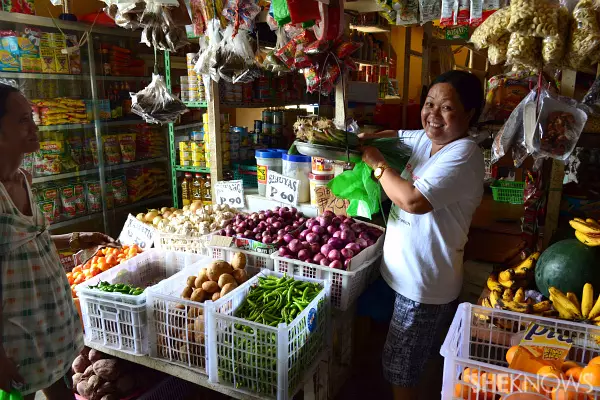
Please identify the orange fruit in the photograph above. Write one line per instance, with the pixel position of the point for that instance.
(466, 375)
(504, 383)
(567, 365)
(574, 373)
(550, 371)
(595, 360)
(510, 354)
(112, 259)
(530, 386)
(77, 269)
(79, 280)
(562, 393)
(590, 375)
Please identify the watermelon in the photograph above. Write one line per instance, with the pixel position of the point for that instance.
(568, 265)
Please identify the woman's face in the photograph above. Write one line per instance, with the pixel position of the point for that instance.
(443, 115)
(18, 132)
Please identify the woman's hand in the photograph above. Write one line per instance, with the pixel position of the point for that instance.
(372, 156)
(91, 239)
(8, 373)
(378, 135)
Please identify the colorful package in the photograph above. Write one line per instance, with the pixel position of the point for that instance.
(74, 57)
(48, 210)
(128, 147)
(463, 14)
(62, 63)
(29, 50)
(80, 206)
(28, 162)
(67, 198)
(9, 52)
(19, 6)
(112, 151)
(77, 150)
(93, 193)
(93, 146)
(118, 188)
(46, 195)
(48, 158)
(541, 346)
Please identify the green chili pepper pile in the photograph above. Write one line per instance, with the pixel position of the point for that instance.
(118, 288)
(277, 300)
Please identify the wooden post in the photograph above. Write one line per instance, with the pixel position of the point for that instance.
(405, 83)
(557, 170)
(214, 123)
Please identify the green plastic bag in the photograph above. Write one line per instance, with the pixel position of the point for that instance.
(14, 395)
(281, 13)
(360, 188)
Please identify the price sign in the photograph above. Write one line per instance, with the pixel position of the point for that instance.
(137, 232)
(281, 188)
(230, 193)
(326, 201)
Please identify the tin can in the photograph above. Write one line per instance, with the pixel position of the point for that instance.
(197, 156)
(184, 79)
(277, 117)
(258, 125)
(199, 164)
(197, 146)
(267, 129)
(185, 155)
(186, 163)
(185, 96)
(197, 136)
(267, 117)
(184, 146)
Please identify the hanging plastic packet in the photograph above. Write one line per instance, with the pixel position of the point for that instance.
(489, 7)
(407, 12)
(387, 12)
(447, 12)
(303, 11)
(207, 61)
(125, 14)
(497, 51)
(476, 13)
(198, 22)
(559, 126)
(160, 31)
(241, 13)
(287, 53)
(430, 10)
(491, 30)
(584, 40)
(281, 12)
(155, 104)
(461, 12)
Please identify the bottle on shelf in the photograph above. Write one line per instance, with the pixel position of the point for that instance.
(207, 190)
(186, 189)
(197, 188)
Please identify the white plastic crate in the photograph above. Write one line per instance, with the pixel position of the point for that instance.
(479, 338)
(173, 331)
(256, 358)
(182, 243)
(118, 321)
(346, 286)
(253, 258)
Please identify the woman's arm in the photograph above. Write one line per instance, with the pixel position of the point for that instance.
(62, 242)
(399, 190)
(84, 240)
(379, 135)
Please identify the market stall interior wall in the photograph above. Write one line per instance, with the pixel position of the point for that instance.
(79, 7)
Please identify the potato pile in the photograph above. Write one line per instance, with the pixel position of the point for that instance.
(98, 377)
(217, 280)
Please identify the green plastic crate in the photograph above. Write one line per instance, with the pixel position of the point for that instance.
(247, 173)
(508, 192)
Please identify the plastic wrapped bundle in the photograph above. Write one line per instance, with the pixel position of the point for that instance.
(155, 104)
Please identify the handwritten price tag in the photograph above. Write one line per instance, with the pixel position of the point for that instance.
(230, 193)
(137, 232)
(326, 201)
(281, 188)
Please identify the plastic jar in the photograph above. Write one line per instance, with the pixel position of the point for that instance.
(298, 167)
(322, 166)
(265, 160)
(317, 181)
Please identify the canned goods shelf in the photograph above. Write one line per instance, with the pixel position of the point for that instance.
(180, 168)
(269, 104)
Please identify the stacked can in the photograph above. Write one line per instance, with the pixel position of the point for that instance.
(193, 82)
(206, 140)
(197, 150)
(185, 154)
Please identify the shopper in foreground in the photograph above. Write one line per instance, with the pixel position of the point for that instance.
(40, 330)
(433, 203)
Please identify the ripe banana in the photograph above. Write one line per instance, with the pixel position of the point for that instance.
(587, 300)
(486, 303)
(507, 284)
(506, 275)
(508, 295)
(527, 264)
(515, 306)
(587, 240)
(595, 311)
(571, 296)
(541, 307)
(584, 227)
(593, 223)
(495, 297)
(520, 296)
(492, 282)
(563, 305)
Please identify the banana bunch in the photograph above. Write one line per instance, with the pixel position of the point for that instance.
(515, 277)
(569, 307)
(586, 231)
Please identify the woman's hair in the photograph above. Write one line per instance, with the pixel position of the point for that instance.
(467, 86)
(5, 91)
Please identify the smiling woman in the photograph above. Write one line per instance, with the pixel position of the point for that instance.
(434, 200)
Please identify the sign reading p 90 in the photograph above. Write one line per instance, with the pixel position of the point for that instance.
(230, 193)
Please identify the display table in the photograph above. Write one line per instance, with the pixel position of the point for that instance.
(200, 379)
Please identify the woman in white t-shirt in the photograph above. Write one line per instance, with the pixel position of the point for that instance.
(433, 202)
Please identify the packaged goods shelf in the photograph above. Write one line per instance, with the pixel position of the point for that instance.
(195, 104)
(186, 126)
(95, 171)
(180, 168)
(280, 103)
(128, 121)
(125, 208)
(31, 75)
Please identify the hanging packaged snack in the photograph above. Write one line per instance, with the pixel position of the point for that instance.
(497, 50)
(155, 104)
(504, 93)
(281, 12)
(303, 11)
(241, 14)
(408, 12)
(462, 12)
(287, 53)
(554, 47)
(112, 151)
(160, 31)
(585, 34)
(430, 10)
(127, 144)
(476, 17)
(447, 12)
(534, 17)
(490, 7)
(492, 29)
(524, 50)
(198, 21)
(560, 124)
(93, 194)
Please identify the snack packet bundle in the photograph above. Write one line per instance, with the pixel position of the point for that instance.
(241, 14)
(156, 104)
(112, 150)
(48, 159)
(48, 200)
(287, 54)
(61, 111)
(118, 187)
(127, 143)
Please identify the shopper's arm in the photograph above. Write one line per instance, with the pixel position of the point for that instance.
(8, 370)
(378, 135)
(62, 242)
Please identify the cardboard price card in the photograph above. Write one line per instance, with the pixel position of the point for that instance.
(326, 201)
(281, 188)
(230, 193)
(137, 232)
